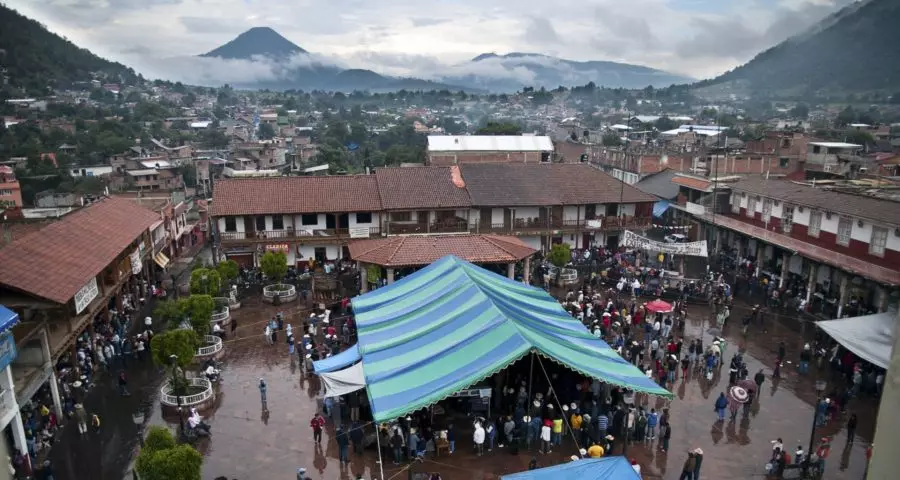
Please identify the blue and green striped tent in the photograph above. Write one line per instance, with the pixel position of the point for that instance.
(452, 324)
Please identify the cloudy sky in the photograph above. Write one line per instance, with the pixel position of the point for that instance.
(698, 38)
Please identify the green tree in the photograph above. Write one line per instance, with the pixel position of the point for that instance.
(499, 128)
(200, 309)
(205, 281)
(169, 311)
(163, 459)
(859, 137)
(611, 139)
(560, 254)
(801, 110)
(266, 131)
(274, 265)
(664, 124)
(180, 342)
(228, 270)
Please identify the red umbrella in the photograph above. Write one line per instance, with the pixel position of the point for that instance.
(659, 306)
(739, 394)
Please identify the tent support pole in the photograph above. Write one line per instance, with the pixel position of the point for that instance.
(530, 380)
(380, 460)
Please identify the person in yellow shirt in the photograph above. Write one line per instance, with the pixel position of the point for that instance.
(596, 451)
(557, 430)
(575, 421)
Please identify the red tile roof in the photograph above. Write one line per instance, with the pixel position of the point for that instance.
(693, 183)
(408, 188)
(58, 260)
(507, 184)
(283, 195)
(421, 250)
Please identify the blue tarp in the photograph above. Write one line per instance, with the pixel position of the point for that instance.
(660, 207)
(607, 468)
(451, 324)
(8, 318)
(337, 362)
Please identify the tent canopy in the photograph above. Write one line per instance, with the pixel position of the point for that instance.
(871, 337)
(452, 324)
(8, 318)
(606, 468)
(336, 362)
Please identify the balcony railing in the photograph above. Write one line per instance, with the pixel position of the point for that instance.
(540, 224)
(289, 234)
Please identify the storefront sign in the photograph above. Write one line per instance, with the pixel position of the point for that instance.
(693, 249)
(136, 263)
(86, 295)
(7, 349)
(595, 224)
(278, 247)
(359, 232)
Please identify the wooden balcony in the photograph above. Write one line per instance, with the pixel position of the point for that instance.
(531, 226)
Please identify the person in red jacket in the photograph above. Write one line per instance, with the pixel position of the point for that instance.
(317, 424)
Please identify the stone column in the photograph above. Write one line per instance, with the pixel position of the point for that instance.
(884, 465)
(363, 278)
(845, 294)
(528, 270)
(511, 270)
(785, 261)
(811, 285)
(390, 276)
(54, 386)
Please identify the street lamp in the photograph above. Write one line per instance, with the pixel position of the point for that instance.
(138, 419)
(173, 359)
(820, 389)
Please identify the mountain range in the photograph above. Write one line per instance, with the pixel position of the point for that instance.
(853, 50)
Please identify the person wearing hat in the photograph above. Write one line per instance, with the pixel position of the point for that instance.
(546, 437)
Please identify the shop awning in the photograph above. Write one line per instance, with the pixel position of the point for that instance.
(452, 324)
(871, 337)
(606, 468)
(161, 259)
(344, 381)
(8, 318)
(336, 362)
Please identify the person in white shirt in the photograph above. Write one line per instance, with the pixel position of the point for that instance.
(139, 348)
(268, 334)
(478, 438)
(218, 331)
(545, 438)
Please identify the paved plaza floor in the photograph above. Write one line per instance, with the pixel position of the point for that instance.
(247, 444)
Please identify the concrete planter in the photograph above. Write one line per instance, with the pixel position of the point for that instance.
(213, 348)
(284, 292)
(221, 314)
(202, 400)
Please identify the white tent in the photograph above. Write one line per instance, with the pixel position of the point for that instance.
(871, 337)
(342, 382)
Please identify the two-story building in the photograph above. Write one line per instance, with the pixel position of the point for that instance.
(832, 157)
(66, 276)
(843, 245)
(10, 190)
(316, 217)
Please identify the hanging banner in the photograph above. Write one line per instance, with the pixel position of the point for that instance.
(693, 249)
(136, 263)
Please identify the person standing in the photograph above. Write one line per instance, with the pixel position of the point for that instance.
(665, 433)
(478, 438)
(343, 443)
(687, 470)
(545, 437)
(698, 459)
(759, 378)
(851, 429)
(123, 384)
(451, 438)
(262, 391)
(396, 444)
(652, 422)
(721, 404)
(317, 424)
(356, 437)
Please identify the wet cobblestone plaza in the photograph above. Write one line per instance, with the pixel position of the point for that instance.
(246, 444)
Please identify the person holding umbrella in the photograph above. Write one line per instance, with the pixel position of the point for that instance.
(737, 396)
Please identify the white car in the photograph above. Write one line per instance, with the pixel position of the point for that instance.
(676, 238)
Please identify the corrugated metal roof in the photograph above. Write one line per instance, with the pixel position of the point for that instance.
(489, 143)
(138, 173)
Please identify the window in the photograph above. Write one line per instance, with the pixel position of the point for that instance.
(277, 222)
(845, 226)
(767, 210)
(401, 216)
(787, 218)
(751, 207)
(5, 192)
(309, 219)
(879, 241)
(230, 224)
(783, 162)
(364, 218)
(815, 223)
(817, 149)
(260, 223)
(735, 203)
